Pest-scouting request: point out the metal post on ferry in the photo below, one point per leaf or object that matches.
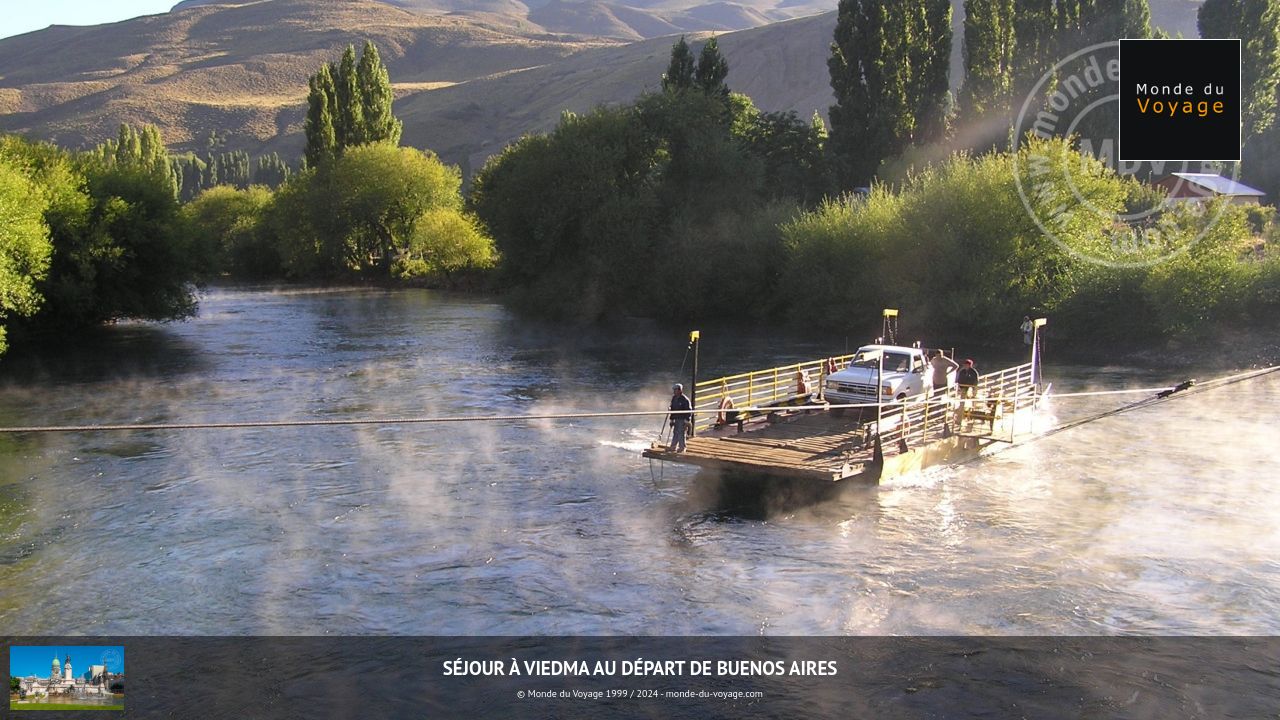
(694, 337)
(1035, 351)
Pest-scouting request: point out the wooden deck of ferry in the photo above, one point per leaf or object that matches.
(816, 445)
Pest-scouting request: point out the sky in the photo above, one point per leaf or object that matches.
(25, 16)
(38, 659)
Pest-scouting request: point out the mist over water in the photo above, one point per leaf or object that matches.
(1165, 520)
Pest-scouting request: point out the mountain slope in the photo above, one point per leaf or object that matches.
(465, 85)
(235, 68)
(781, 66)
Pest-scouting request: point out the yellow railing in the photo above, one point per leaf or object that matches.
(779, 385)
(760, 388)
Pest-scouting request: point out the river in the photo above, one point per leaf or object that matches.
(1160, 521)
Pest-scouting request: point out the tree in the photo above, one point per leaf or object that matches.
(792, 153)
(1034, 28)
(348, 123)
(1261, 155)
(24, 244)
(223, 226)
(931, 61)
(111, 218)
(576, 213)
(140, 149)
(444, 241)
(680, 71)
(1257, 24)
(322, 137)
(375, 98)
(885, 64)
(988, 60)
(377, 211)
(349, 104)
(712, 70)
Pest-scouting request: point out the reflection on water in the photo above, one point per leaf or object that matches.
(1164, 520)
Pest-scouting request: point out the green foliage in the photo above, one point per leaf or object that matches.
(348, 105)
(954, 244)
(930, 56)
(111, 214)
(24, 243)
(712, 70)
(575, 214)
(237, 169)
(376, 97)
(377, 210)
(1257, 24)
(703, 165)
(1010, 44)
(140, 149)
(659, 209)
(322, 137)
(348, 108)
(1261, 158)
(130, 263)
(795, 164)
(680, 71)
(988, 58)
(445, 241)
(885, 67)
(224, 227)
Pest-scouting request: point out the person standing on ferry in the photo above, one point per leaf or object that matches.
(679, 420)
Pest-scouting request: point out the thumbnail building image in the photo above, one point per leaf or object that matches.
(99, 686)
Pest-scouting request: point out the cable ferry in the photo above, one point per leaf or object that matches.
(862, 417)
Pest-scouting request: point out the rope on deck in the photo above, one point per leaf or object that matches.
(250, 424)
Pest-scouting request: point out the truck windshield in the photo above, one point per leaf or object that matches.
(893, 362)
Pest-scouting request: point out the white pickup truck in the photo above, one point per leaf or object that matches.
(905, 373)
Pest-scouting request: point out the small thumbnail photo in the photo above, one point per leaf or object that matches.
(66, 677)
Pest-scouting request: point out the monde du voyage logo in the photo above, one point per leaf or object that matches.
(1180, 100)
(1158, 110)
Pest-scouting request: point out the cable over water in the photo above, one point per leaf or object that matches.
(1159, 394)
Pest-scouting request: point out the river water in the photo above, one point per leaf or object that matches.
(1160, 521)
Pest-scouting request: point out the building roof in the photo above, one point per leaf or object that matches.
(1218, 184)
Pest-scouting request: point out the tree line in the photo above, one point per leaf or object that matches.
(686, 204)
(889, 65)
(126, 231)
(691, 205)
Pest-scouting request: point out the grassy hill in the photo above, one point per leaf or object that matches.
(781, 66)
(238, 69)
(624, 19)
(467, 82)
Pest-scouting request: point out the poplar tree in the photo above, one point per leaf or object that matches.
(349, 104)
(988, 52)
(322, 139)
(376, 98)
(1257, 24)
(1034, 48)
(680, 71)
(348, 122)
(712, 70)
(870, 69)
(931, 65)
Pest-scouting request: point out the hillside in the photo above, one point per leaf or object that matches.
(622, 19)
(466, 84)
(781, 66)
(240, 70)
